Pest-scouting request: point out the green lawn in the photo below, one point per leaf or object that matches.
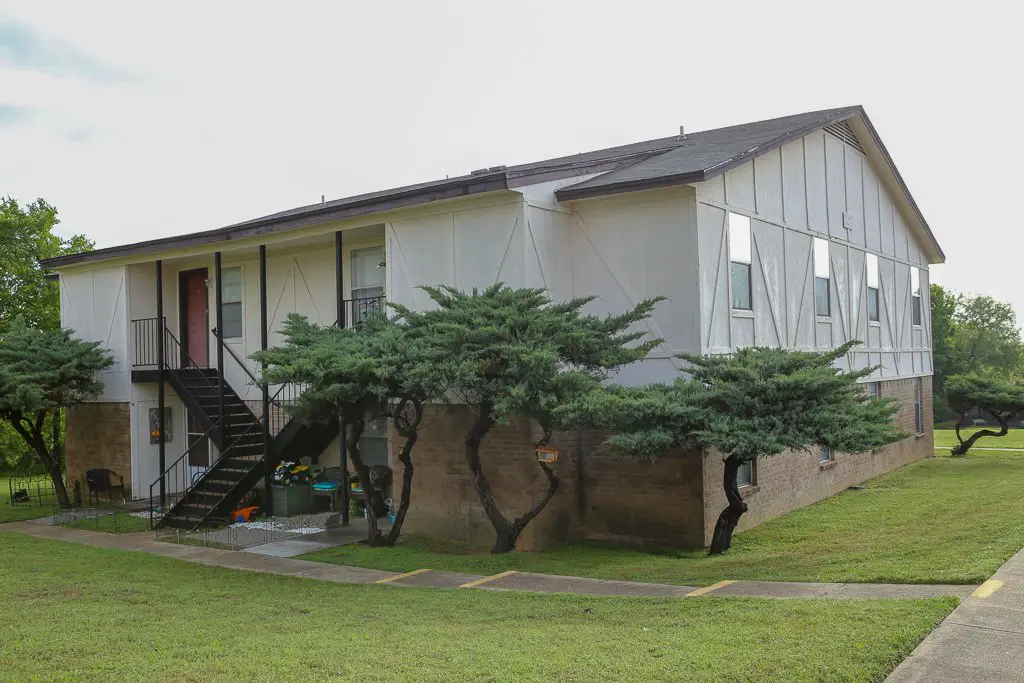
(940, 520)
(21, 511)
(116, 523)
(80, 613)
(946, 438)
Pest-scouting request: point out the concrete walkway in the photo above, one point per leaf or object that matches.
(505, 581)
(981, 640)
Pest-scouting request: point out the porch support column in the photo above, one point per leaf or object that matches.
(219, 303)
(267, 442)
(161, 365)
(339, 272)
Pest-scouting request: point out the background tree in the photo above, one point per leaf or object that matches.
(374, 372)
(986, 335)
(42, 371)
(755, 403)
(946, 359)
(1001, 398)
(513, 354)
(27, 235)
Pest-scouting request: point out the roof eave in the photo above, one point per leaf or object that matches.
(462, 187)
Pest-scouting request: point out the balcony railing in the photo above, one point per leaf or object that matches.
(146, 334)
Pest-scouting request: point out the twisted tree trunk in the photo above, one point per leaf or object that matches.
(506, 531)
(356, 427)
(730, 517)
(410, 430)
(32, 432)
(965, 445)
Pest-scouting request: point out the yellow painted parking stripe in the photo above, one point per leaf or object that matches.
(487, 579)
(402, 576)
(988, 588)
(707, 589)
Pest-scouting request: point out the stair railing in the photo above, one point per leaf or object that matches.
(253, 458)
(179, 472)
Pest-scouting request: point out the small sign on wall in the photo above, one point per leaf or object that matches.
(547, 455)
(154, 425)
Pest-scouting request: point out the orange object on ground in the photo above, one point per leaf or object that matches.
(243, 514)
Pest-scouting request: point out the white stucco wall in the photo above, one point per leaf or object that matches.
(93, 303)
(792, 195)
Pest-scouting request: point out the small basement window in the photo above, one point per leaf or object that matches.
(739, 262)
(826, 455)
(745, 474)
(822, 296)
(873, 298)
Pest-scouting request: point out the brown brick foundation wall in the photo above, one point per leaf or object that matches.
(99, 436)
(643, 502)
(796, 478)
(601, 497)
(444, 503)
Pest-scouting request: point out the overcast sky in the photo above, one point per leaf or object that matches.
(138, 122)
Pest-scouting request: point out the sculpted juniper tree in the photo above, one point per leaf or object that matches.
(1002, 399)
(374, 372)
(755, 403)
(514, 353)
(42, 371)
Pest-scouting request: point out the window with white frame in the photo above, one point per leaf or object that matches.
(873, 298)
(822, 296)
(872, 389)
(745, 474)
(826, 454)
(739, 262)
(230, 321)
(915, 294)
(918, 408)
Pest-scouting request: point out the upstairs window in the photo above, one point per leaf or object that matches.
(231, 303)
(873, 300)
(915, 294)
(822, 297)
(739, 262)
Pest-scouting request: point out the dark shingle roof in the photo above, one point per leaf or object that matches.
(641, 165)
(691, 158)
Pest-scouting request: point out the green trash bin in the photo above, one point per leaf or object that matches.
(288, 501)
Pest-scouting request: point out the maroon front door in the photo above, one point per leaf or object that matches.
(195, 317)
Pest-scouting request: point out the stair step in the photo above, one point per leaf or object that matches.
(206, 499)
(236, 464)
(231, 476)
(193, 511)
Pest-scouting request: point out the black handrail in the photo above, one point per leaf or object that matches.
(242, 365)
(226, 453)
(202, 441)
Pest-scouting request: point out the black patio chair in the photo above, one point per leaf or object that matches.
(100, 480)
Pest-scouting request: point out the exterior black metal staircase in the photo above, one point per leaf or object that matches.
(198, 498)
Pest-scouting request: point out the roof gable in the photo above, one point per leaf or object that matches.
(707, 154)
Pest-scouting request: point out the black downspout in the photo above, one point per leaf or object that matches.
(161, 365)
(219, 302)
(339, 271)
(267, 498)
